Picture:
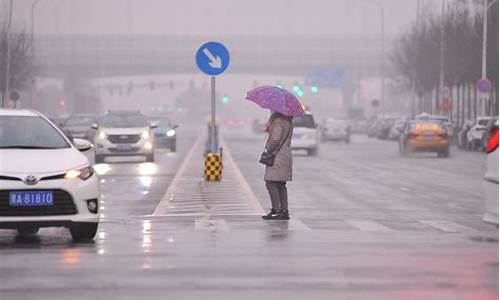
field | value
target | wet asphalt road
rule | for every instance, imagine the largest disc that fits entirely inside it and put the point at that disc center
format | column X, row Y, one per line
column 366, row 224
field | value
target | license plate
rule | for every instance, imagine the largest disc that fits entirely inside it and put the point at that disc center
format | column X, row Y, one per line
column 31, row 198
column 428, row 137
column 79, row 135
column 123, row 146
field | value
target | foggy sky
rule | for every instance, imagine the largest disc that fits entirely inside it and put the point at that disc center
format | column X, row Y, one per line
column 217, row 17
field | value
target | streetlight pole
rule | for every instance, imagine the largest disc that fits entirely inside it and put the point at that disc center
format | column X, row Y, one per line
column 33, row 6
column 486, row 7
column 440, row 93
column 382, row 60
column 7, row 42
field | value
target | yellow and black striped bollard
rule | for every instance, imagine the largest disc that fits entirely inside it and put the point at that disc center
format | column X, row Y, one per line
column 213, row 167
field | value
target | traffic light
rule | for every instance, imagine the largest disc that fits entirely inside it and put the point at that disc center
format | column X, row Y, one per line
column 296, row 88
column 225, row 99
column 314, row 89
column 300, row 93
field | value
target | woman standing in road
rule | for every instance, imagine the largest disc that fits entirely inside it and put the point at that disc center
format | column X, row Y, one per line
column 278, row 144
column 277, row 155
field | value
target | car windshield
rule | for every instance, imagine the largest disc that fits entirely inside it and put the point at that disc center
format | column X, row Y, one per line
column 483, row 122
column 162, row 122
column 80, row 121
column 306, row 121
column 124, row 121
column 26, row 132
column 441, row 119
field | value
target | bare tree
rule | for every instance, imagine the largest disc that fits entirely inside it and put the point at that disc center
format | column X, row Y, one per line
column 21, row 65
column 416, row 55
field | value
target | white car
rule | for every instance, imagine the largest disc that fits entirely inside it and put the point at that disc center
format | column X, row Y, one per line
column 305, row 134
column 124, row 133
column 45, row 180
column 336, row 130
column 397, row 129
column 490, row 183
column 475, row 134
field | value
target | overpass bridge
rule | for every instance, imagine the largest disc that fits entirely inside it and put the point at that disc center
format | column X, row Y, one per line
column 91, row 56
column 77, row 58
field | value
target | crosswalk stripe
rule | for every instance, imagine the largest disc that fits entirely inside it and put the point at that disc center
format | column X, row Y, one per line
column 368, row 225
column 447, row 226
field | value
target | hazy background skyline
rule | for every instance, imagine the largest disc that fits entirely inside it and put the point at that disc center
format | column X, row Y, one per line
column 219, row 17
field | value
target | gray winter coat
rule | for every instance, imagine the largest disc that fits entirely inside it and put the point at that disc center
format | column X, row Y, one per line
column 280, row 128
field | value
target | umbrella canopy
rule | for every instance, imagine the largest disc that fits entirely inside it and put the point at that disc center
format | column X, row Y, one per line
column 276, row 99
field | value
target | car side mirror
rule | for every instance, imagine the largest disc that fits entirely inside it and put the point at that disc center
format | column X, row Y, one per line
column 94, row 126
column 153, row 125
column 82, row 144
column 175, row 126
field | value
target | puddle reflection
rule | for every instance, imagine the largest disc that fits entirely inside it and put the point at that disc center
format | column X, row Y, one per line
column 71, row 257
column 146, row 236
column 148, row 168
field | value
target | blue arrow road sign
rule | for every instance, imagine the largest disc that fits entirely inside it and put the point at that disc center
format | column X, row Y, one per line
column 212, row 58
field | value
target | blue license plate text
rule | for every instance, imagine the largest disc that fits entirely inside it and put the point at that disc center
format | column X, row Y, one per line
column 31, row 198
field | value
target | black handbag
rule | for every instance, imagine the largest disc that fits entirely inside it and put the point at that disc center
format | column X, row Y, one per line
column 267, row 158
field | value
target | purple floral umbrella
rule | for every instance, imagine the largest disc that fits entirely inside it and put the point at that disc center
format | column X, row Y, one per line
column 276, row 99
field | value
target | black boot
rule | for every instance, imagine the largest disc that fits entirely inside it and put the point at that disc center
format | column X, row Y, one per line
column 272, row 215
column 283, row 215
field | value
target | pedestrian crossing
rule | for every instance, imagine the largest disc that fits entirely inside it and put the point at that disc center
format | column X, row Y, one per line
column 231, row 205
column 227, row 222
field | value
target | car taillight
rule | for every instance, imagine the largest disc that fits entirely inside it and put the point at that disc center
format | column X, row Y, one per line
column 443, row 135
column 492, row 144
column 412, row 135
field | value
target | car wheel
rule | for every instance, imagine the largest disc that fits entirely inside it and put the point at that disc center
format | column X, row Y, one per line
column 312, row 152
column 27, row 231
column 445, row 153
column 98, row 159
column 150, row 157
column 83, row 231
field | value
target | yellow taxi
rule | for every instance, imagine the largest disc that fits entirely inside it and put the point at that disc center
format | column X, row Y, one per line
column 424, row 136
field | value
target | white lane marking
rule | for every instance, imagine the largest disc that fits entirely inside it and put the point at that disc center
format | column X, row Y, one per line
column 170, row 194
column 368, row 225
column 210, row 225
column 243, row 183
column 292, row 224
column 447, row 226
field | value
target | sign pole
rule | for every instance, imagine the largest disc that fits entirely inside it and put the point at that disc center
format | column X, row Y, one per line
column 212, row 118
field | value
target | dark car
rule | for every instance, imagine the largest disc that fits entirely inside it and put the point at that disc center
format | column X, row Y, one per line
column 165, row 133
column 80, row 126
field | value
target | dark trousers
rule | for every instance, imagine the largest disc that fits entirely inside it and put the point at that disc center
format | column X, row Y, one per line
column 278, row 194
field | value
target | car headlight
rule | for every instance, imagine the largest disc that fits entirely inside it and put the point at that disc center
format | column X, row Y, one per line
column 148, row 145
column 83, row 173
column 102, row 135
column 171, row 132
column 145, row 135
